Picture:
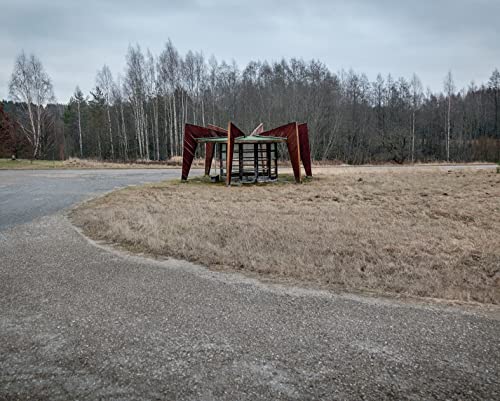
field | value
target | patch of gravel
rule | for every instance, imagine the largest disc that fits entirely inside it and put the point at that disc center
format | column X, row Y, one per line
column 80, row 322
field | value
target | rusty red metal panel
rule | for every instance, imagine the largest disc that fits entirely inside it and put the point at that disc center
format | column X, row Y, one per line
column 218, row 129
column 191, row 133
column 209, row 155
column 233, row 132
column 305, row 151
column 291, row 133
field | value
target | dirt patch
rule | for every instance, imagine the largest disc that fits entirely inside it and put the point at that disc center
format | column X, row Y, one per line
column 419, row 233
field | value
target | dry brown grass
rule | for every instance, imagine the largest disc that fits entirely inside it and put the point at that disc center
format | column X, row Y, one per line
column 426, row 233
column 173, row 162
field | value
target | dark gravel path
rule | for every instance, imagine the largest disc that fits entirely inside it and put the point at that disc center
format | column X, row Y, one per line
column 81, row 322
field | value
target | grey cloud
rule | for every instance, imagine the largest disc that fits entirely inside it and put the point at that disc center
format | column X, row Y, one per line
column 401, row 37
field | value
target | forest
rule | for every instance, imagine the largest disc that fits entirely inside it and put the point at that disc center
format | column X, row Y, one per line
column 139, row 114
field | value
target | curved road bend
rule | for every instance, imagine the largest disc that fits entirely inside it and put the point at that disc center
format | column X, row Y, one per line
column 81, row 322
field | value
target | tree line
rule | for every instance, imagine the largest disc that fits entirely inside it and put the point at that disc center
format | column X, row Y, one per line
column 140, row 114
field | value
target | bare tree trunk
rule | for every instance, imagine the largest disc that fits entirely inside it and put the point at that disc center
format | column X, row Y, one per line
column 110, row 134
column 119, row 149
column 449, row 88
column 413, row 137
column 193, row 103
column 145, row 133
column 38, row 131
column 99, row 149
column 167, row 121
column 183, row 120
column 448, row 130
column 138, row 129
column 496, row 113
column 124, row 131
column 80, row 130
column 330, row 139
column 152, row 127
column 202, row 112
column 141, row 131
column 156, row 128
column 174, row 143
column 213, row 108
column 172, row 128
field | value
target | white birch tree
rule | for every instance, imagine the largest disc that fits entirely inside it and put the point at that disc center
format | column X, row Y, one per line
column 79, row 99
column 169, row 65
column 118, row 101
column 30, row 85
column 104, row 80
column 135, row 87
column 449, row 89
column 416, row 100
column 152, row 95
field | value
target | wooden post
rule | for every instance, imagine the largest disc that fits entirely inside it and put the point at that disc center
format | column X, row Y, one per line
column 262, row 155
column 268, row 155
column 256, row 161
column 276, row 159
column 240, row 158
column 221, row 161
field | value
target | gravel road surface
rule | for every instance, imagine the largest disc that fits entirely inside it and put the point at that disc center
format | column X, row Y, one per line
column 81, row 321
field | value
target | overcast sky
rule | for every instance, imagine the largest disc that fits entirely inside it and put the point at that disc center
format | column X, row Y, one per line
column 75, row 38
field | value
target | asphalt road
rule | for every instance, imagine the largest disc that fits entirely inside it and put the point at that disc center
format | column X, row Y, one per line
column 28, row 194
column 79, row 321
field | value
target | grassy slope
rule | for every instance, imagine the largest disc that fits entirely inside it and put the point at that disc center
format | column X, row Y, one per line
column 27, row 164
column 23, row 164
column 420, row 233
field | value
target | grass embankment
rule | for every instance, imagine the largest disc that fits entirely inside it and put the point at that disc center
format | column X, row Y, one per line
column 28, row 164
column 73, row 163
column 419, row 233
